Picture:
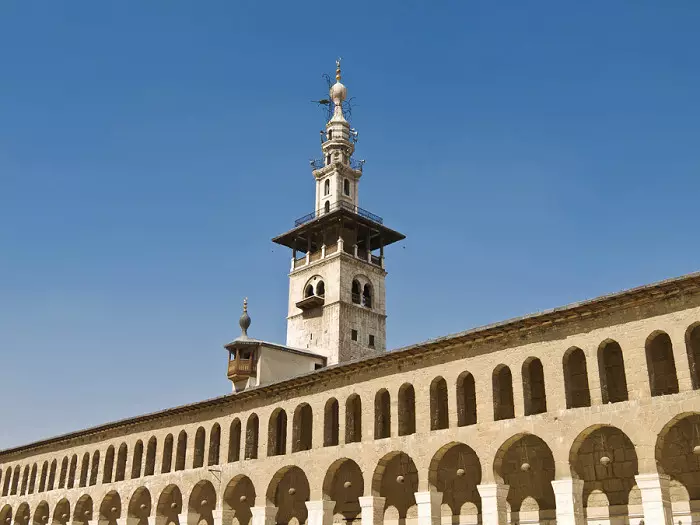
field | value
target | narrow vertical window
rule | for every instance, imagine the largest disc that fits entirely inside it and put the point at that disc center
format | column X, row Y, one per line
column 167, row 464
column 330, row 423
column 214, row 443
column 234, row 441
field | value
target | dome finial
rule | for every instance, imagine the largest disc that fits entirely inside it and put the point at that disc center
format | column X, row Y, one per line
column 337, row 69
column 244, row 321
column 338, row 93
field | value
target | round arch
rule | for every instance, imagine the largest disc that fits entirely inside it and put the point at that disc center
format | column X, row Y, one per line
column 140, row 504
column 455, row 470
column 676, row 454
column 110, row 508
column 41, row 514
column 396, row 479
column 289, row 491
column 344, row 484
column 83, row 509
column 238, row 498
column 202, row 503
column 61, row 512
column 6, row 513
column 169, row 505
column 22, row 514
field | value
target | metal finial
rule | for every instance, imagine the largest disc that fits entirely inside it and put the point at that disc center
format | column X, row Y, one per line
column 245, row 305
column 244, row 321
column 337, row 69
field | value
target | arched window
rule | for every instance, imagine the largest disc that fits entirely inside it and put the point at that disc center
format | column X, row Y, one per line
column 330, row 134
column 277, row 433
column 327, row 206
column 108, row 467
column 439, row 413
column 167, row 463
column 611, row 365
column 94, row 467
column 328, row 160
column 327, row 187
column 346, row 187
column 151, row 457
column 6, row 484
column 321, row 289
column 251, row 437
column 302, row 428
column 15, row 478
column 661, row 365
column 137, row 459
column 32, row 480
column 52, row 477
column 25, row 480
column 353, row 419
column 692, row 346
column 308, row 291
column 502, row 383
column 121, row 463
column 576, row 379
column 84, row 469
column 42, row 479
column 330, row 423
column 367, row 295
column 71, row 471
column 382, row 415
column 199, row 438
column 466, row 400
column 356, row 292
column 214, row 441
column 407, row 410
column 64, row 473
column 234, row 441
column 181, row 452
column 534, row 394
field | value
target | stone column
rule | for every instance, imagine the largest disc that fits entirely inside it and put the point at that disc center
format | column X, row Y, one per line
column 680, row 357
column 429, row 512
column 493, row 503
column 593, row 371
column 372, row 510
column 152, row 521
column 263, row 515
column 181, row 518
column 320, row 512
column 656, row 498
column 217, row 515
column 568, row 494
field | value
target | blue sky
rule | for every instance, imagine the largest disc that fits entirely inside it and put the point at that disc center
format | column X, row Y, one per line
column 534, row 154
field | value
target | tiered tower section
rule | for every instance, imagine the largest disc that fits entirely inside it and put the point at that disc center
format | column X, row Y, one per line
column 336, row 286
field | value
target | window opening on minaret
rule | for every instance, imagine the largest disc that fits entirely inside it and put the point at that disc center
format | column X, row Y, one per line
column 353, row 335
column 309, row 291
column 371, row 341
column 346, row 187
column 327, row 187
column 355, row 291
column 330, row 134
column 327, row 206
column 367, row 296
column 320, row 289
column 328, row 159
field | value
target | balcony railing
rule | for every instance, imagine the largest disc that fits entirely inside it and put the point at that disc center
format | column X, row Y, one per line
column 241, row 367
column 317, row 164
column 338, row 206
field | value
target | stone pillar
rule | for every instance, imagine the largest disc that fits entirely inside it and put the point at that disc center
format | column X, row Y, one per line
column 181, row 518
column 372, row 510
column 493, row 503
column 320, row 512
column 323, row 251
column 152, row 521
column 568, row 494
column 429, row 512
column 656, row 498
column 680, row 357
column 217, row 515
column 263, row 515
column 593, row 376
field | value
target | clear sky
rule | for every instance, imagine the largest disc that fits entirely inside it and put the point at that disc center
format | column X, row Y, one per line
column 534, row 154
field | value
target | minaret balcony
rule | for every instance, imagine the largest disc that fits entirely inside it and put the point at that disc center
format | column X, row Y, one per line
column 311, row 302
column 242, row 365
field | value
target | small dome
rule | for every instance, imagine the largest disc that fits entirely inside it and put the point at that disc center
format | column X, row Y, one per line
column 338, row 93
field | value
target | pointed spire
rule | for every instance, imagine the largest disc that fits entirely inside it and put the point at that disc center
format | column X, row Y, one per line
column 244, row 321
column 338, row 94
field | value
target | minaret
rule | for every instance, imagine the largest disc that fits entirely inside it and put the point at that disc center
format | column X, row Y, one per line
column 336, row 284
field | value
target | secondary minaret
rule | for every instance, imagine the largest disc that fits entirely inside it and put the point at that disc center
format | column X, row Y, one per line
column 336, row 285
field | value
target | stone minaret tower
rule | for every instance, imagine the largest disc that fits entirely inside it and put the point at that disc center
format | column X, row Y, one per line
column 336, row 284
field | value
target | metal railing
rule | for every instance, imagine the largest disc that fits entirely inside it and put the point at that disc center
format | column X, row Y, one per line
column 338, row 206
column 317, row 164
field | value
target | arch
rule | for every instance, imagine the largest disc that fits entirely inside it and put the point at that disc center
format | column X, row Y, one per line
column 353, row 419
column 396, row 479
column 367, row 295
column 302, row 428
column 288, row 491
column 109, row 465
column 25, row 480
column 308, row 291
column 692, row 348
column 52, row 476
column 251, row 437
column 94, row 467
column 330, row 423
column 675, row 454
column 346, row 187
column 356, row 291
column 327, row 206
column 120, row 473
column 576, row 388
column 277, row 433
column 83, row 509
column 169, row 505
column 526, row 463
column 84, row 470
column 534, row 392
column 202, row 503
column 42, row 477
column 439, row 409
column 455, row 470
column 407, row 411
column 234, row 441
column 661, row 366
column 6, row 482
column 110, row 508
column 32, row 479
column 327, row 187
column 611, row 365
column 71, row 471
column 502, row 383
column 167, row 463
column 139, row 510
column 41, row 514
column 321, row 289
column 16, row 475
column 61, row 512
column 151, row 448
column 214, row 444
column 199, row 439
column 344, row 484
column 6, row 509
column 238, row 498
column 606, row 460
column 466, row 400
column 382, row 414
column 64, row 473
column 181, row 452
column 23, row 514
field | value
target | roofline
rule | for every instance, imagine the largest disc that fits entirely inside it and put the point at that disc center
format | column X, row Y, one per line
column 276, row 346
column 657, row 290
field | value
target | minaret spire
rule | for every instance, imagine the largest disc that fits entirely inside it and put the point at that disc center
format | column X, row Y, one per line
column 338, row 95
